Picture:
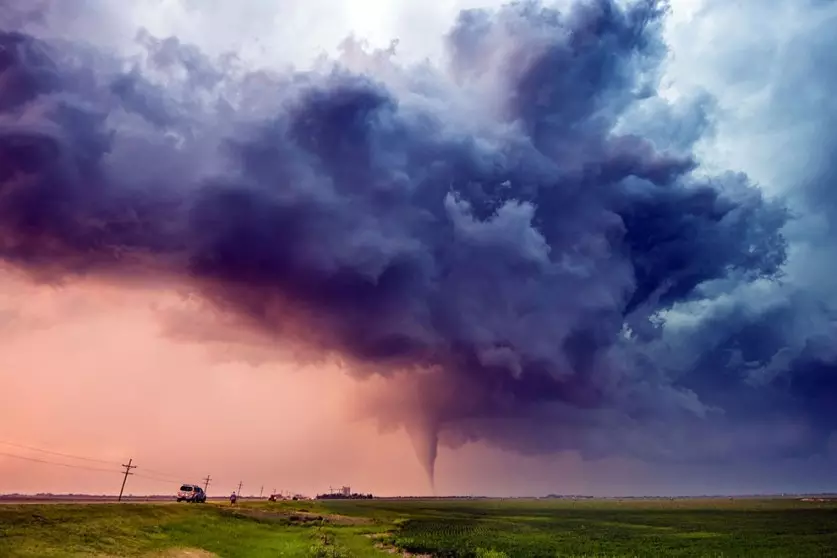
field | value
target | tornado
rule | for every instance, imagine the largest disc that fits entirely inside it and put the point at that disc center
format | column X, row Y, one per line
column 425, row 440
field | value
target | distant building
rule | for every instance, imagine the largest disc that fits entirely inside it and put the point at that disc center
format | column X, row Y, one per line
column 346, row 491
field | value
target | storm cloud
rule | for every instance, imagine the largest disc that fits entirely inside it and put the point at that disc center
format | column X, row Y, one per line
column 512, row 240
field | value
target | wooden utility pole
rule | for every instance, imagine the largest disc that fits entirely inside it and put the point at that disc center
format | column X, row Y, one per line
column 206, row 483
column 239, row 488
column 128, row 468
column 261, row 492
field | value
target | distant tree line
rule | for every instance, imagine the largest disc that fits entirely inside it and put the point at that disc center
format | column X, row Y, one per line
column 338, row 496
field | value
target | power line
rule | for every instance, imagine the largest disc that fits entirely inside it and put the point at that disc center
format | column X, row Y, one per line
column 159, row 476
column 160, row 473
column 58, row 453
column 70, row 465
column 173, row 478
column 83, row 467
column 128, row 468
column 169, row 477
column 158, row 479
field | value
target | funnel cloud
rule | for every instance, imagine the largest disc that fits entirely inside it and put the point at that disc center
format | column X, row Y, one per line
column 524, row 236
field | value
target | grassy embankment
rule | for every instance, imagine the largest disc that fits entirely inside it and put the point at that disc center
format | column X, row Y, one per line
column 448, row 528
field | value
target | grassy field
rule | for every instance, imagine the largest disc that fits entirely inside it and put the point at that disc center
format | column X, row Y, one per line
column 175, row 530
column 447, row 528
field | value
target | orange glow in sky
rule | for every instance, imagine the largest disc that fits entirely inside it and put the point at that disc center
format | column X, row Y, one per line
column 88, row 369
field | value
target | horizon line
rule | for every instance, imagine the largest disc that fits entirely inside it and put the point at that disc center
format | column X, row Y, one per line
column 61, row 495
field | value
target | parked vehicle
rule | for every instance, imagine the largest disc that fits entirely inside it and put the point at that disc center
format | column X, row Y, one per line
column 191, row 493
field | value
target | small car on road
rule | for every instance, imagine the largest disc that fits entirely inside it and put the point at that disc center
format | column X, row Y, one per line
column 191, row 493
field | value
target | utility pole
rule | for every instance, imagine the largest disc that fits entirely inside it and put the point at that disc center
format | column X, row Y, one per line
column 261, row 492
column 128, row 468
column 239, row 488
column 206, row 483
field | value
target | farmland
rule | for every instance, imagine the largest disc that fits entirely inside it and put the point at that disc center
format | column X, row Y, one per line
column 446, row 528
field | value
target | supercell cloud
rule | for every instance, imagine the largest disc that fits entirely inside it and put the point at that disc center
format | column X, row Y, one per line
column 523, row 241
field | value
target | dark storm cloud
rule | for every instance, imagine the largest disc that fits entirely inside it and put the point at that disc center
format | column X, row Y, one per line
column 765, row 354
column 15, row 14
column 510, row 269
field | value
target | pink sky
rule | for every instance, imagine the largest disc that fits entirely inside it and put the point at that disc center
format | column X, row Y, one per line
column 87, row 369
column 93, row 370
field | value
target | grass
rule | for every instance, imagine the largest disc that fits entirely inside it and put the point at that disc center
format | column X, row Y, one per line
column 551, row 528
column 58, row 530
column 444, row 528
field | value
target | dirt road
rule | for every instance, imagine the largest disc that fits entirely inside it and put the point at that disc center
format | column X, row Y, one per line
column 17, row 500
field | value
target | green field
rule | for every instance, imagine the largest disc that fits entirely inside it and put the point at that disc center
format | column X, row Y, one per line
column 448, row 528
